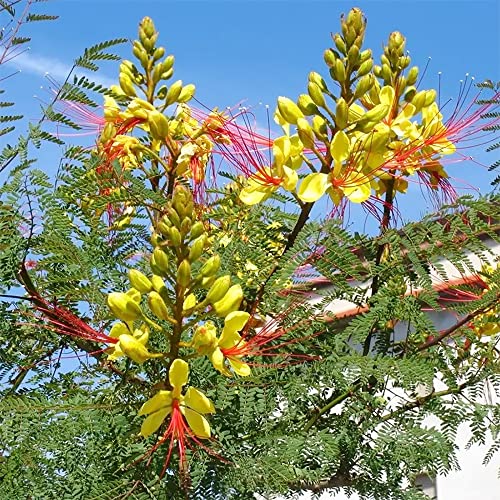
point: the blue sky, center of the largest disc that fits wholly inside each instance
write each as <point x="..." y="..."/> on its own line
<point x="254" y="51"/>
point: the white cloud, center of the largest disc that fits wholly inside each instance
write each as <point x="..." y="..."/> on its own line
<point x="58" y="70"/>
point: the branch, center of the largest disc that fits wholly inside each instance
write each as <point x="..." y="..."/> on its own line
<point x="421" y="401"/>
<point x="329" y="406"/>
<point x="445" y="333"/>
<point x="338" y="480"/>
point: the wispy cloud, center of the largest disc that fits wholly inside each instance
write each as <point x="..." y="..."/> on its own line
<point x="58" y="70"/>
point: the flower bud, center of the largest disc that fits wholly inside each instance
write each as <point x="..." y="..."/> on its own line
<point x="353" y="56"/>
<point x="158" y="306"/>
<point x="139" y="281"/>
<point x="173" y="92"/>
<point x="412" y="75"/>
<point x="147" y="27"/>
<point x="155" y="239"/>
<point x="211" y="266"/>
<point x="418" y="100"/>
<point x="318" y="80"/>
<point x="159" y="262"/>
<point x="430" y="97"/>
<point x="306" y="105"/>
<point x="205" y="338"/>
<point x="365" y="55"/>
<point x="158" y="53"/>
<point x="182" y="201"/>
<point x="175" y="237"/>
<point x="289" y="110"/>
<point x="329" y="57"/>
<point x="186" y="93"/>
<point x="370" y="118"/>
<point x="158" y="125"/>
<point x="123" y="307"/>
<point x="404" y="62"/>
<point x="230" y="302"/>
<point x="190" y="303"/>
<point x="319" y="128"/>
<point x="365" y="67"/>
<point x="218" y="289"/>
<point x="396" y="42"/>
<point x="168" y="63"/>
<point x="355" y="19"/>
<point x="197" y="248"/>
<point x="305" y="132"/>
<point x="401" y="82"/>
<point x="141" y="54"/>
<point x="162" y="92"/>
<point x="163" y="227"/>
<point x="134" y="349"/>
<point x="410" y="93"/>
<point x="341" y="113"/>
<point x="126" y="85"/>
<point x="340" y="44"/>
<point x="184" y="273"/>
<point x="173" y="218"/>
<point x="339" y="71"/>
<point x="385" y="73"/>
<point x="363" y="86"/>
<point x="186" y="226"/>
<point x="316" y="94"/>
<point x="350" y="35"/>
<point x="134" y="294"/>
<point x="197" y="229"/>
<point x="158" y="283"/>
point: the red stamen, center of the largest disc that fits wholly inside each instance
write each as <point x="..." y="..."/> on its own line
<point x="178" y="432"/>
<point x="64" y="322"/>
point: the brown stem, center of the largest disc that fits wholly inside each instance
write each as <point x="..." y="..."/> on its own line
<point x="445" y="333"/>
<point x="384" y="225"/>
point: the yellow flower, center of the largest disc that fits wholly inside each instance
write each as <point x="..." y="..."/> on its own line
<point x="192" y="406"/>
<point x="344" y="179"/>
<point x="218" y="350"/>
<point x="130" y="345"/>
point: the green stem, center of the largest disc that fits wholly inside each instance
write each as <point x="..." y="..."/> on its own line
<point x="328" y="407"/>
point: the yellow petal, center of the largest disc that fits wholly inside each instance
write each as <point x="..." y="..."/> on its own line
<point x="444" y="147"/>
<point x="189" y="302"/>
<point x="119" y="329"/>
<point x="161" y="400"/>
<point x="235" y="321"/>
<point x="218" y="360"/>
<point x="115" y="352"/>
<point x="356" y="112"/>
<point x="290" y="178"/>
<point x="358" y="194"/>
<point x="229" y="339"/>
<point x="251" y="195"/>
<point x="134" y="349"/>
<point x="336" y="195"/>
<point x="198" y="423"/>
<point x="281" y="150"/>
<point x="153" y="422"/>
<point x="339" y="147"/>
<point x="241" y="368"/>
<point x="197" y="401"/>
<point x="178" y="373"/>
<point x="387" y="95"/>
<point x="313" y="187"/>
